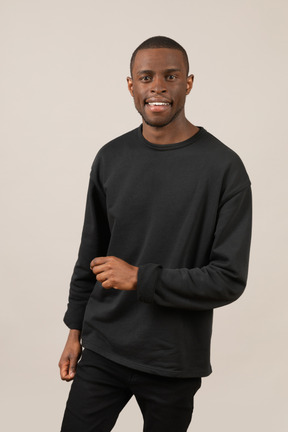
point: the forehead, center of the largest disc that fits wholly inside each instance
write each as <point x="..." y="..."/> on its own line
<point x="159" y="59"/>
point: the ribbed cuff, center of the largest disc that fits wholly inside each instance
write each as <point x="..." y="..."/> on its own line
<point x="74" y="315"/>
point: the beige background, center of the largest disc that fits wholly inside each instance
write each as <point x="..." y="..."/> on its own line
<point x="63" y="95"/>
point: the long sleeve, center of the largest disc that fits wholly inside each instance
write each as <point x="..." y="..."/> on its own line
<point x="219" y="282"/>
<point x="94" y="242"/>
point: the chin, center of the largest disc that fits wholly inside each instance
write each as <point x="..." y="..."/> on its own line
<point x="156" y="124"/>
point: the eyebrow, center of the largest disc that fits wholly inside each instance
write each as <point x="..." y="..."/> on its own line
<point x="147" y="71"/>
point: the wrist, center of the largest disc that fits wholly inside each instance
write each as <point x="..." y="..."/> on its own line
<point x="135" y="278"/>
<point x="74" y="335"/>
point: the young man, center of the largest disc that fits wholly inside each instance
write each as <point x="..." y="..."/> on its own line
<point x="166" y="240"/>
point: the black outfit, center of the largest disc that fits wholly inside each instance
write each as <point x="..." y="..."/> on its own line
<point x="101" y="388"/>
<point x="182" y="214"/>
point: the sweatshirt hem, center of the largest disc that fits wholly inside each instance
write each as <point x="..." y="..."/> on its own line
<point x="196" y="373"/>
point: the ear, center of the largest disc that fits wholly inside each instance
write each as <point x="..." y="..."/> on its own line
<point x="130" y="85"/>
<point x="189" y="83"/>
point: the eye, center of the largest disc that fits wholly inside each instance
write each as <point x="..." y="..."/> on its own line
<point x="145" y="78"/>
<point x="171" y="77"/>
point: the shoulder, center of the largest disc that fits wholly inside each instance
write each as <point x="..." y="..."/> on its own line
<point x="216" y="150"/>
<point x="218" y="153"/>
<point x="118" y="144"/>
<point x="114" y="148"/>
<point x="224" y="163"/>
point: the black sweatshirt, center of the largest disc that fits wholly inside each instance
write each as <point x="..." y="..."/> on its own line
<point x="182" y="214"/>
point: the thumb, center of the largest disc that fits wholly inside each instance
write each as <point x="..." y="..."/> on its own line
<point x="72" y="366"/>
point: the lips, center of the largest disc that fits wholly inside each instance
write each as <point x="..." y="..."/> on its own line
<point x="157" y="105"/>
<point x="157" y="102"/>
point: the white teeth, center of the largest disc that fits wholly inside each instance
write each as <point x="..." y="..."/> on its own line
<point x="158" y="103"/>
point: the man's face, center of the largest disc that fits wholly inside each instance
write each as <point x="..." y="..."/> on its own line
<point x="159" y="85"/>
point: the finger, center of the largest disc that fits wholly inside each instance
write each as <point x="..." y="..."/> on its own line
<point x="99" y="268"/>
<point x="72" y="367"/>
<point x="107" y="284"/>
<point x="64" y="370"/>
<point x="98" y="260"/>
<point x="102" y="277"/>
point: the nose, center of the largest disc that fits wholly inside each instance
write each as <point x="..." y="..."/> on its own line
<point x="158" y="85"/>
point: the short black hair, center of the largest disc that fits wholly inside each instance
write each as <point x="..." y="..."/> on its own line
<point x="159" y="42"/>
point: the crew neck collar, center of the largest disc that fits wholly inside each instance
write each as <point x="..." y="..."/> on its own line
<point x="180" y="144"/>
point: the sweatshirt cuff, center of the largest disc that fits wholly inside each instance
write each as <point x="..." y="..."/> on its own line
<point x="148" y="275"/>
<point x="74" y="316"/>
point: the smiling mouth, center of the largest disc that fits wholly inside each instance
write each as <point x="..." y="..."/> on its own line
<point x="158" y="103"/>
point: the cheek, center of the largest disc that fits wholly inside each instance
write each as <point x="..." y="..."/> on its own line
<point x="138" y="99"/>
<point x="138" y="93"/>
<point x="181" y="97"/>
<point x="137" y="103"/>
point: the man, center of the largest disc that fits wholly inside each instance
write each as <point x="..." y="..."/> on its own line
<point x="167" y="235"/>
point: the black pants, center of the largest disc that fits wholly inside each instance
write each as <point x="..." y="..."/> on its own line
<point x="101" y="388"/>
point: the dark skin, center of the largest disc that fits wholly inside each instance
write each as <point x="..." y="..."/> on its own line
<point x="160" y="74"/>
<point x="159" y="86"/>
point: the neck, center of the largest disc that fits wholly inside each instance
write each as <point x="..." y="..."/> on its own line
<point x="172" y="133"/>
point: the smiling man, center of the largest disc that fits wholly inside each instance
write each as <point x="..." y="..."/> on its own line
<point x="165" y="241"/>
<point x="159" y="84"/>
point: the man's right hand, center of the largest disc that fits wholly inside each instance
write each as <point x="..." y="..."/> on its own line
<point x="70" y="356"/>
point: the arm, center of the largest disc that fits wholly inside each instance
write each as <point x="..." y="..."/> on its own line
<point x="219" y="282"/>
<point x="94" y="242"/>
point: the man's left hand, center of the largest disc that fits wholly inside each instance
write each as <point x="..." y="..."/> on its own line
<point x="115" y="273"/>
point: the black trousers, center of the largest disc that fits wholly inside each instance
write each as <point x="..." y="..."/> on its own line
<point x="101" y="388"/>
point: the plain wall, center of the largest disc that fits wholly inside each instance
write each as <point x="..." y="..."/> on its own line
<point x="63" y="96"/>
